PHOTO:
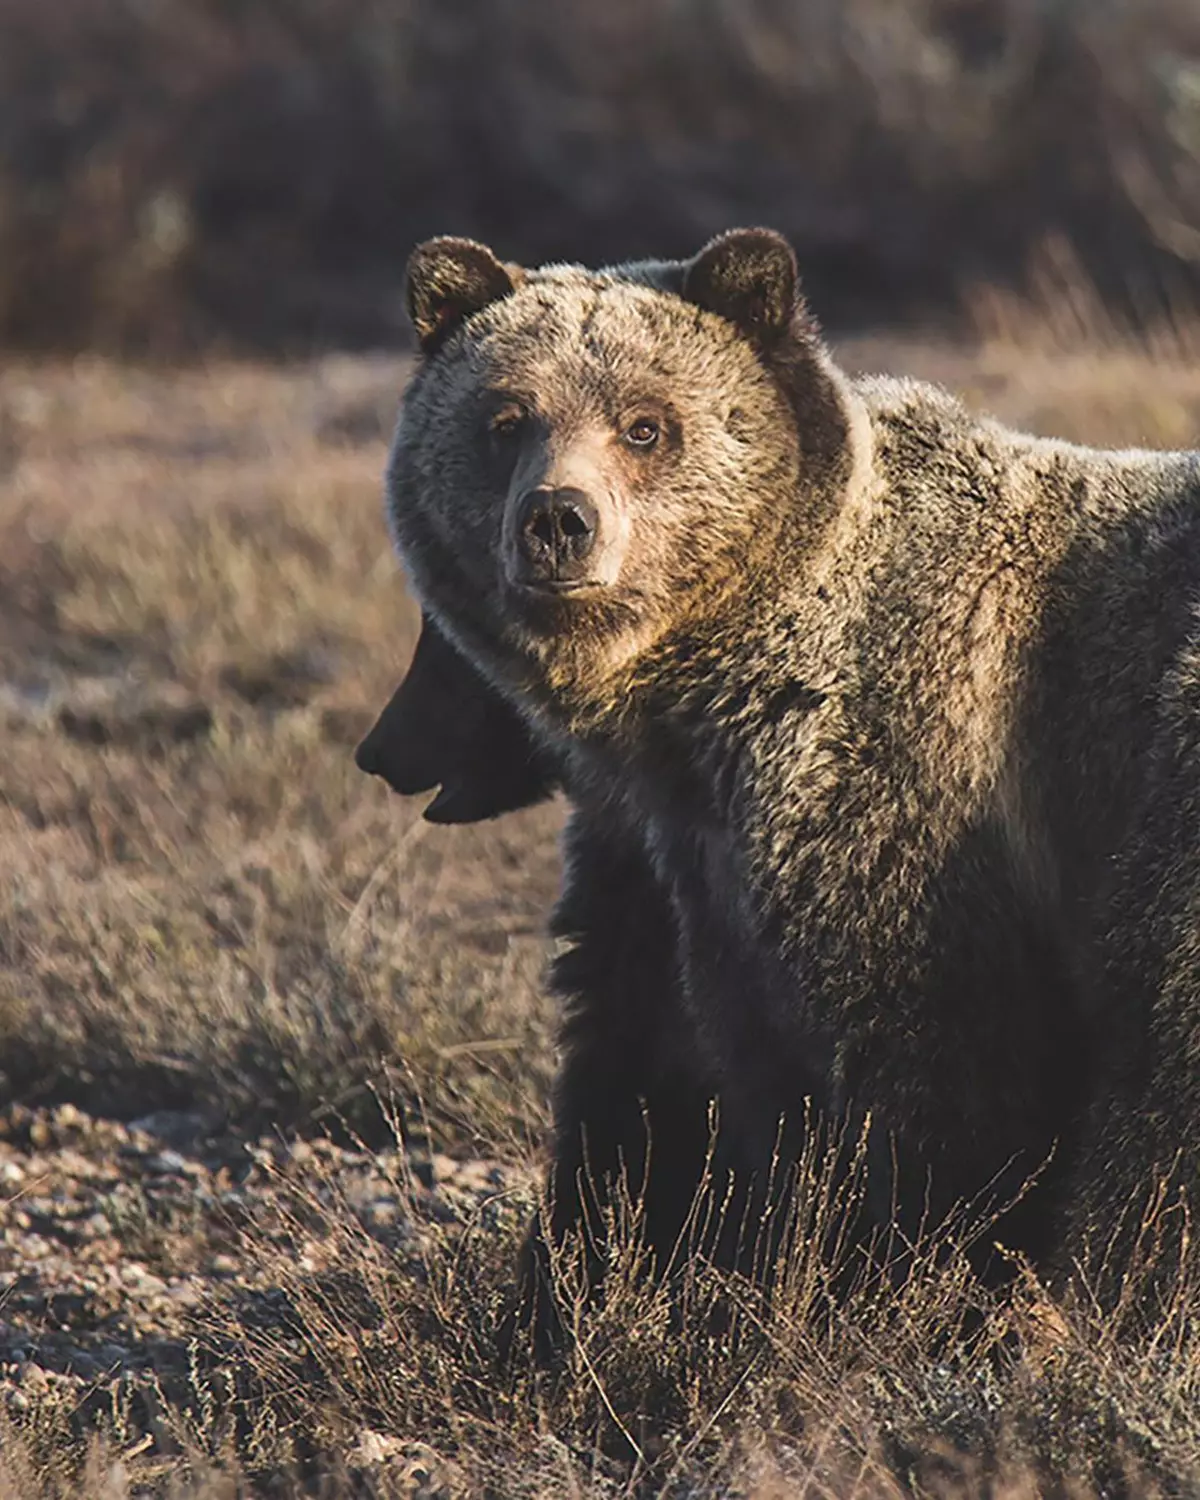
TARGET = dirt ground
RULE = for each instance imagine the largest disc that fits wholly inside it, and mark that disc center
(275, 1054)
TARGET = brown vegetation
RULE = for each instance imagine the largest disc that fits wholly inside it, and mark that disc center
(325, 1018)
(179, 173)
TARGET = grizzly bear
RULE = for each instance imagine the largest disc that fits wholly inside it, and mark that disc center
(878, 722)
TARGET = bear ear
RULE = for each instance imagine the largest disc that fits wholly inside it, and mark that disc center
(750, 277)
(445, 726)
(449, 279)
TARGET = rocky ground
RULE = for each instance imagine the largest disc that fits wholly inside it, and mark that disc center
(121, 1243)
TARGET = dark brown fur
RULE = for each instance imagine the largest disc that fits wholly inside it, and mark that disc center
(445, 727)
(880, 724)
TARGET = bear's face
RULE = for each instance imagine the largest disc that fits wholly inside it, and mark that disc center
(585, 459)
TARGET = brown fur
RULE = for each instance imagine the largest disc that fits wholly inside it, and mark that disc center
(880, 724)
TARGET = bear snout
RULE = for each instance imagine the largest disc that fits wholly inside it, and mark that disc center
(556, 532)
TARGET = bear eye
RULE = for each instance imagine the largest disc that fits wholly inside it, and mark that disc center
(507, 422)
(642, 434)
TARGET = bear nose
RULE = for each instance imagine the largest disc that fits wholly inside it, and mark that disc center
(556, 531)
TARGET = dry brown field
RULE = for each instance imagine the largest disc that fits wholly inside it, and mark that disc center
(275, 1055)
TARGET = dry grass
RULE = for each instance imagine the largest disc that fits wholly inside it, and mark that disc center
(206, 907)
(240, 918)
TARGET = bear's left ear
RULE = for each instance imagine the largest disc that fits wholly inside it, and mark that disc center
(448, 279)
(750, 277)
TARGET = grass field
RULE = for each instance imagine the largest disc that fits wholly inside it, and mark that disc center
(274, 1055)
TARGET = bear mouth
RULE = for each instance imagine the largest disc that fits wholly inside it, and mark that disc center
(548, 610)
(557, 588)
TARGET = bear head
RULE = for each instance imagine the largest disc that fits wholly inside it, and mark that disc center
(446, 727)
(587, 461)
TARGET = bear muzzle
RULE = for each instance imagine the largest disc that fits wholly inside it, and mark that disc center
(555, 534)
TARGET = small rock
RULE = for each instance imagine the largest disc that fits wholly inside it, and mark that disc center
(374, 1448)
(33, 1379)
(381, 1213)
(413, 1470)
(444, 1167)
(178, 1129)
(168, 1164)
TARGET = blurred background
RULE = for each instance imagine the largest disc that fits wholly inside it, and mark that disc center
(184, 175)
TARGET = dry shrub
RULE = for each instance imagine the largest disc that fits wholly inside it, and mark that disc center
(706, 1385)
(174, 174)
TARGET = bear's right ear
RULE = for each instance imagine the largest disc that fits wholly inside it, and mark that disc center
(447, 280)
(445, 726)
